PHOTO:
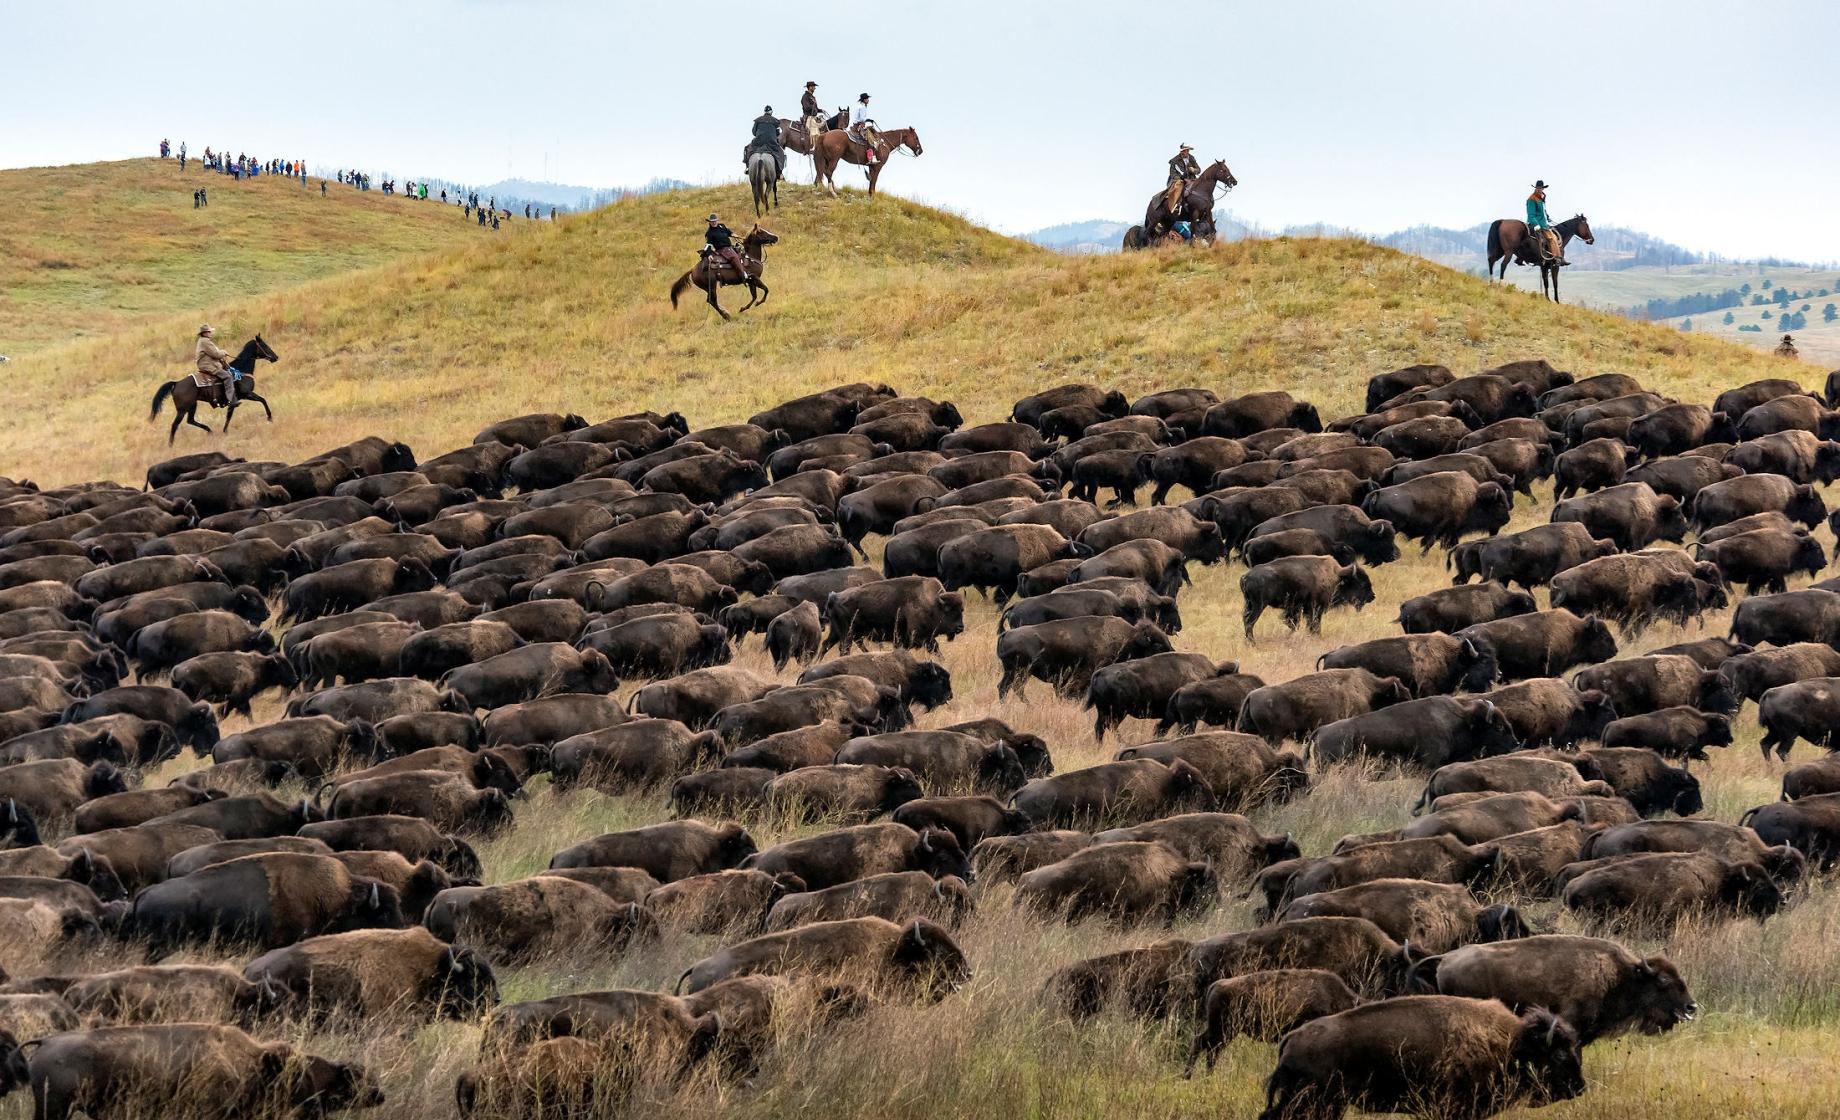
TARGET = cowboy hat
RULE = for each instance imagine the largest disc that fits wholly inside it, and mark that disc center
(1539, 184)
(207, 329)
(862, 97)
(811, 85)
(715, 217)
(1185, 147)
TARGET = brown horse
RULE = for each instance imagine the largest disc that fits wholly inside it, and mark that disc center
(186, 395)
(1510, 240)
(837, 146)
(712, 272)
(1197, 203)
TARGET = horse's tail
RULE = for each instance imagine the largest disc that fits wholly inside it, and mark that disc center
(1495, 240)
(159, 398)
(680, 287)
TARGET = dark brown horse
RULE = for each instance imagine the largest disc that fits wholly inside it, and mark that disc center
(837, 146)
(186, 395)
(1510, 240)
(1197, 204)
(712, 272)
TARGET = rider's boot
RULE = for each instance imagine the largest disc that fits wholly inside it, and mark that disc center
(229, 391)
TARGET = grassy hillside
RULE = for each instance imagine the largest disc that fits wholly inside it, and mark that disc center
(577, 315)
(89, 249)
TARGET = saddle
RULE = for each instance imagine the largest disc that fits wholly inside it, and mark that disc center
(210, 389)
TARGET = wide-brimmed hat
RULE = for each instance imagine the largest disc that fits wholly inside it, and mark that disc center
(811, 85)
(862, 97)
(207, 329)
(1185, 147)
(1539, 184)
(715, 217)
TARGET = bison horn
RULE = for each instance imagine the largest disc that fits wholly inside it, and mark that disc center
(12, 811)
(1552, 1028)
(926, 841)
(376, 896)
(938, 891)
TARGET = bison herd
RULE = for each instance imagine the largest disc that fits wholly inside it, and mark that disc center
(566, 603)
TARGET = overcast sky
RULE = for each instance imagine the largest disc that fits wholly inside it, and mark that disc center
(1704, 123)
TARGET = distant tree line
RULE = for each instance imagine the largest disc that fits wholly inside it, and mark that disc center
(1696, 304)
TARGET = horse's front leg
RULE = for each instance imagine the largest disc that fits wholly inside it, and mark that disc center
(263, 401)
(753, 287)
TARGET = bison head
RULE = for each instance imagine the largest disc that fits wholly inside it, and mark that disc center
(929, 685)
(1276, 849)
(1144, 641)
(1501, 922)
(1304, 417)
(1785, 865)
(1494, 509)
(371, 905)
(1657, 995)
(248, 604)
(733, 844)
(1001, 770)
(18, 829)
(96, 873)
(466, 984)
(1476, 665)
(198, 727)
(458, 858)
(928, 954)
(1810, 557)
(1353, 588)
(938, 854)
(1595, 642)
(1716, 693)
(1805, 506)
(102, 779)
(1670, 519)
(1545, 1058)
(1748, 889)
(1375, 543)
(316, 1086)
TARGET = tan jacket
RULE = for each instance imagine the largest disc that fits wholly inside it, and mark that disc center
(212, 358)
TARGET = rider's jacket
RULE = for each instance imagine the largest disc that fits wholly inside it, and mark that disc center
(766, 129)
(719, 236)
(1183, 166)
(808, 105)
(1536, 211)
(211, 357)
(859, 116)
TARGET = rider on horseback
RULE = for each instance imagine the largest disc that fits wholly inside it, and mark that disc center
(1182, 168)
(213, 362)
(720, 240)
(811, 115)
(1540, 225)
(862, 128)
(766, 139)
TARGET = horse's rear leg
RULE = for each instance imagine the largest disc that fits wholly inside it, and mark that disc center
(173, 432)
(712, 298)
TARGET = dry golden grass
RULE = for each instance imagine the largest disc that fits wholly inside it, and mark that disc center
(575, 318)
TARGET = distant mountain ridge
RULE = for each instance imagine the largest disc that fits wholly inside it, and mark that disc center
(1465, 249)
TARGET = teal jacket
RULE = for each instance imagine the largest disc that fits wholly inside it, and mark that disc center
(1536, 212)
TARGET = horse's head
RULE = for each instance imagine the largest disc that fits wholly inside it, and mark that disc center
(757, 237)
(1582, 229)
(910, 138)
(1220, 173)
(264, 350)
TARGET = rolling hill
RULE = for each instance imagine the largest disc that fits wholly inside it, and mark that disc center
(89, 249)
(575, 315)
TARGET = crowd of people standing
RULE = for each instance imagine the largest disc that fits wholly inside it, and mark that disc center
(244, 166)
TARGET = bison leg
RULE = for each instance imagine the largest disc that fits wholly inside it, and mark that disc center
(1015, 675)
(1252, 613)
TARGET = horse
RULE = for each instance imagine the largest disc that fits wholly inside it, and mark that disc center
(763, 177)
(186, 394)
(1509, 241)
(712, 272)
(1197, 200)
(793, 137)
(837, 146)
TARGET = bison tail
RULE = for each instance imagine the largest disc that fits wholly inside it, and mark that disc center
(679, 287)
(1423, 802)
(678, 988)
(1745, 820)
